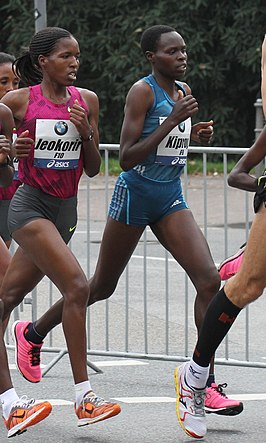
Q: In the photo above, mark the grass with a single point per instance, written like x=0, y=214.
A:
x=194, y=167
x=113, y=166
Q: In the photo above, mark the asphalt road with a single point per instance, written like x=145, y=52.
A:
x=144, y=388
x=145, y=391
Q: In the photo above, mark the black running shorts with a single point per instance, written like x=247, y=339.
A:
x=30, y=204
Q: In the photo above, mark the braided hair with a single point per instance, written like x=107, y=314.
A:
x=43, y=42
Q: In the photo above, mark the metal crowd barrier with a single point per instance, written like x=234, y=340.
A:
x=150, y=315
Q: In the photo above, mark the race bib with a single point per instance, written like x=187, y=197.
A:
x=173, y=148
x=57, y=144
x=15, y=165
x=15, y=160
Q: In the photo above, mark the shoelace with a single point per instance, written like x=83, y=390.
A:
x=198, y=403
x=24, y=402
x=219, y=388
x=96, y=401
x=35, y=357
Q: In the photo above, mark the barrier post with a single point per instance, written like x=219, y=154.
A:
x=259, y=123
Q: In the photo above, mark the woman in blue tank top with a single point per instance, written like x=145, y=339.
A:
x=154, y=143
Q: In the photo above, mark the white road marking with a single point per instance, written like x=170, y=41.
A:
x=103, y=364
x=12, y=366
x=138, y=400
x=249, y=397
x=56, y=402
x=241, y=397
x=145, y=399
x=170, y=259
x=120, y=363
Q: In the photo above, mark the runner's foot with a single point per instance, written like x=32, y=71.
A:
x=27, y=354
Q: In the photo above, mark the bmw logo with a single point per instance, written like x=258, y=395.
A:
x=181, y=127
x=61, y=128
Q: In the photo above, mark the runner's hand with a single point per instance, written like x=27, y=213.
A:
x=23, y=145
x=261, y=184
x=184, y=108
x=202, y=132
x=260, y=195
x=78, y=116
x=5, y=149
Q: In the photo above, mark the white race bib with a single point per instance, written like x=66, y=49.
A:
x=15, y=164
x=57, y=144
x=173, y=148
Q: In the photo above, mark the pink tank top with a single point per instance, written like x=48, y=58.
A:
x=55, y=162
x=7, y=193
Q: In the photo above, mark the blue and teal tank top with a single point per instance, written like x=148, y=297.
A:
x=169, y=157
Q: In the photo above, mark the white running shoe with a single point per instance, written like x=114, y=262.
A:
x=189, y=405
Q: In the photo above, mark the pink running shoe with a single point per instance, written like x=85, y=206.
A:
x=230, y=266
x=27, y=354
x=217, y=402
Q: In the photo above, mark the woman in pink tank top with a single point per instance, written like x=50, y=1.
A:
x=6, y=175
x=8, y=82
x=57, y=126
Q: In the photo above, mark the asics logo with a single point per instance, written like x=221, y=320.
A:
x=175, y=161
x=50, y=164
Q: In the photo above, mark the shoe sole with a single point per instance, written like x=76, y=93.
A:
x=16, y=353
x=91, y=421
x=230, y=411
x=35, y=418
x=232, y=258
x=191, y=434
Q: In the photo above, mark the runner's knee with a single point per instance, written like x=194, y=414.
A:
x=78, y=293
x=100, y=290
x=242, y=293
x=12, y=297
x=254, y=290
x=209, y=286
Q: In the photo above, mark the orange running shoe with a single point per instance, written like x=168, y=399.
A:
x=93, y=409
x=24, y=413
